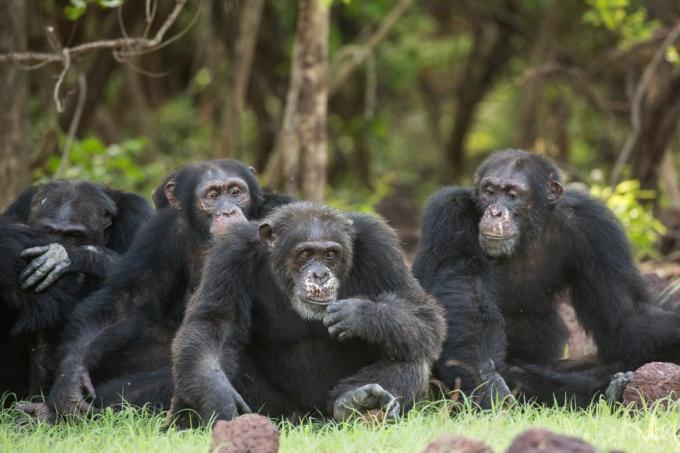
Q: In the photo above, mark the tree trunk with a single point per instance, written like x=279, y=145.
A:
x=15, y=159
x=659, y=122
x=313, y=102
x=249, y=27
x=491, y=51
x=532, y=93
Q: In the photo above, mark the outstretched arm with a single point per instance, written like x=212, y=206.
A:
x=610, y=297
x=145, y=280
x=207, y=344
x=450, y=266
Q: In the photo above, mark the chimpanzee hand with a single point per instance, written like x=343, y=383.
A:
x=50, y=263
x=345, y=318
x=68, y=393
x=363, y=399
x=494, y=390
x=228, y=404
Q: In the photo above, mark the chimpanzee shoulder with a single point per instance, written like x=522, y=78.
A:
x=132, y=212
x=20, y=208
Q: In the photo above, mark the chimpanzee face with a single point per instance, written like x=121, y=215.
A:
x=223, y=199
x=515, y=195
x=311, y=254
x=79, y=213
x=215, y=197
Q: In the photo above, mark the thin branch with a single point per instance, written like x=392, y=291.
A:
x=357, y=54
x=638, y=100
x=60, y=80
x=136, y=44
x=73, y=127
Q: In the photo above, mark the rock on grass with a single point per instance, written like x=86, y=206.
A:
x=456, y=444
x=541, y=440
x=653, y=382
x=250, y=433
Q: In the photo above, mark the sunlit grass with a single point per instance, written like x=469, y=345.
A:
x=139, y=431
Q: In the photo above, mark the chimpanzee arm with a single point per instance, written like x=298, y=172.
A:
x=382, y=303
x=143, y=282
x=450, y=266
x=609, y=295
x=206, y=347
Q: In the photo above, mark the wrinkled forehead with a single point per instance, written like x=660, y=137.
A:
x=314, y=230
x=215, y=175
x=509, y=171
x=71, y=203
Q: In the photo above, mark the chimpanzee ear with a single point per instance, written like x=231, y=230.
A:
x=266, y=234
x=556, y=191
x=170, y=194
x=253, y=171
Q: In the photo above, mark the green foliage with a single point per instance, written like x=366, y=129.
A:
x=351, y=199
x=632, y=206
x=77, y=8
x=626, y=17
x=117, y=165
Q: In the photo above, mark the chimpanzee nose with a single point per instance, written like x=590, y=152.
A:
x=496, y=211
x=228, y=212
x=321, y=275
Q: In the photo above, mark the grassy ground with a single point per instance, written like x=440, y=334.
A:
x=134, y=431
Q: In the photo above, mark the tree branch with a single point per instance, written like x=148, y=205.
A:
x=355, y=55
x=133, y=44
x=638, y=100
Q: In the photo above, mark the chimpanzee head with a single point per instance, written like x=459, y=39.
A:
x=515, y=191
x=213, y=195
x=311, y=254
x=79, y=213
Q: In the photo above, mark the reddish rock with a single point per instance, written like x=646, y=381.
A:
x=652, y=382
x=249, y=433
x=541, y=440
x=456, y=444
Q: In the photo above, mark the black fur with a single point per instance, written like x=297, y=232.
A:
x=32, y=321
x=242, y=328
x=120, y=336
x=503, y=309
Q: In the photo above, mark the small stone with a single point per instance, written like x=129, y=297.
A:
x=652, y=382
x=541, y=440
x=456, y=444
x=249, y=433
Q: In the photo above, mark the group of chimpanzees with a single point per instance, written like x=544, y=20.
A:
x=229, y=299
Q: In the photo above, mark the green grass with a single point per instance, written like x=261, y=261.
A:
x=137, y=431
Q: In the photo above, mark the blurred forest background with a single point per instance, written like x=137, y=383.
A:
x=364, y=104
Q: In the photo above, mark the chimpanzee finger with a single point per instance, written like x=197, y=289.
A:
x=334, y=307
x=336, y=329
x=34, y=251
x=344, y=336
x=332, y=318
x=38, y=275
x=33, y=266
x=86, y=384
x=53, y=276
x=243, y=407
x=86, y=408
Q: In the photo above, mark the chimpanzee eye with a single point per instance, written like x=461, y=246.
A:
x=512, y=194
x=213, y=194
x=305, y=254
x=489, y=190
x=235, y=191
x=331, y=255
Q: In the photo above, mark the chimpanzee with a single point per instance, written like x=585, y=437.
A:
x=310, y=311
x=72, y=231
x=93, y=223
x=118, y=343
x=498, y=255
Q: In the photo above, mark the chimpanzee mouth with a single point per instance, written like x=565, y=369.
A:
x=320, y=302
x=495, y=237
